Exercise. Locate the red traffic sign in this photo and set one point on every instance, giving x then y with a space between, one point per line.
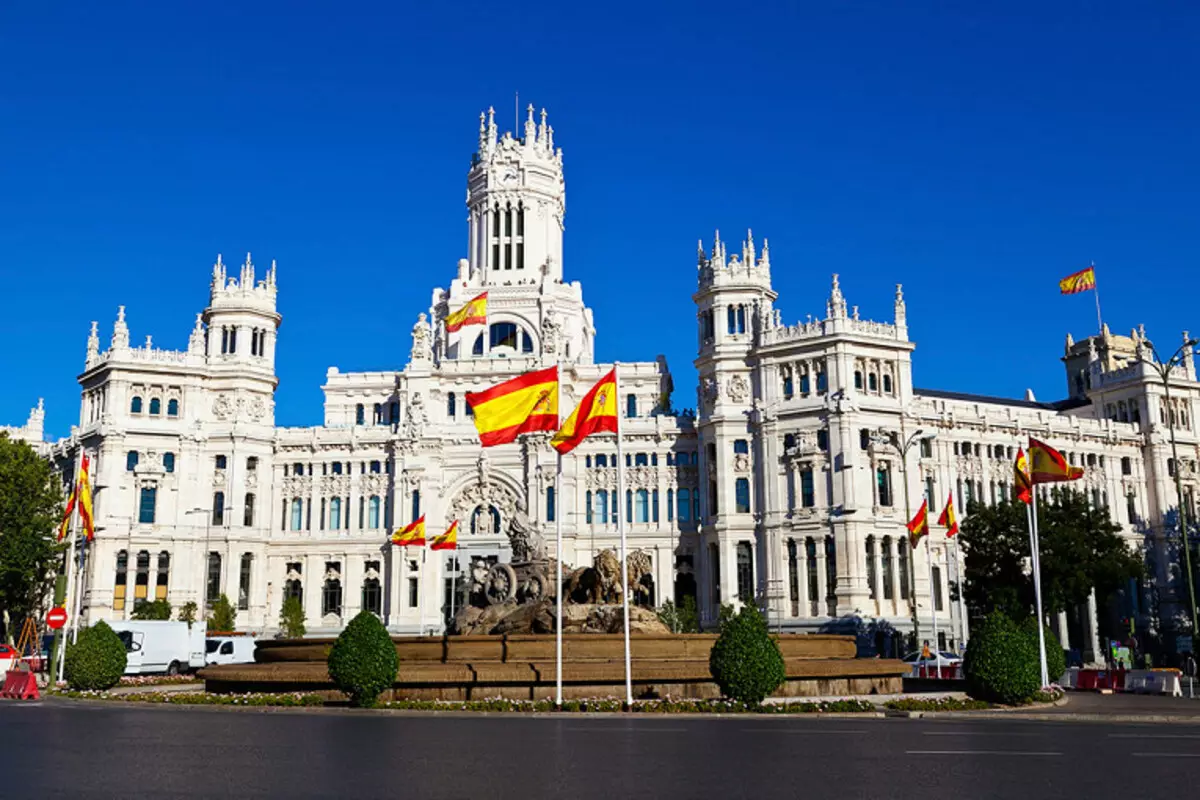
56 618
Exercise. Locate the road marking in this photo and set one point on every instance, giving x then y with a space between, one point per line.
815 732
980 753
1154 736
1165 755
980 733
619 728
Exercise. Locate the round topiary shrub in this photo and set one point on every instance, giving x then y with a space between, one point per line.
362 662
1056 659
96 660
745 661
1001 665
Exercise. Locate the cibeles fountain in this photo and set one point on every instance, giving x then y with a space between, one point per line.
520 596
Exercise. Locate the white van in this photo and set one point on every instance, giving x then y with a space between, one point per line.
229 650
161 646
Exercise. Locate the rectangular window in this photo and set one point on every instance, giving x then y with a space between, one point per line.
937 587
654 506
883 481
742 495
414 595
146 505
416 504
1131 509
745 572
808 494
549 504
929 490
213 587
244 582
872 591
218 508
889 588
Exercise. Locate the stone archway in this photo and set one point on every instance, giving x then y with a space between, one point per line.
489 499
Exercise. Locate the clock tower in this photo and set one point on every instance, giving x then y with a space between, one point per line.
516 203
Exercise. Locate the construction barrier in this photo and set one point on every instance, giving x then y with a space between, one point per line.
1154 681
20 686
945 672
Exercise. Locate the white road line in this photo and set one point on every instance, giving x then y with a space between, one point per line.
980 733
815 732
624 729
980 753
1154 736
1165 755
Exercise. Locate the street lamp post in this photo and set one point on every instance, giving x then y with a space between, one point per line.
1186 350
902 446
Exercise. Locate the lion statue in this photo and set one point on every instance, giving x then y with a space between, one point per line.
599 583
639 565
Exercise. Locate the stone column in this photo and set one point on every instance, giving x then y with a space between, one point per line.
802 576
314 578
352 578
822 579
894 546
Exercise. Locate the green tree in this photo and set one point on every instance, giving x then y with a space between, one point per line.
1080 548
157 609
1002 664
223 618
187 613
31 506
291 618
745 661
96 660
363 662
680 619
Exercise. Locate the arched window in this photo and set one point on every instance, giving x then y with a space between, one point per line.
742 492
486 521
360 414
631 405
789 441
858 379
172 408
741 319
377 416
873 382
213 584
745 572
887 384
155 406
164 576
670 505
244 581
872 592
335 513
372 593
331 597
889 589
550 504
394 412
218 508
373 512
685 505
731 325
504 334
788 386
120 579
131 460
628 505
477 348
641 506
451 405
587 508
297 513
526 342
135 405
248 513
602 460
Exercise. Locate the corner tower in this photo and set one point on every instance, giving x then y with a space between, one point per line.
516 201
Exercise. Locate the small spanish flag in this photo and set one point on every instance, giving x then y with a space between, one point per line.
1080 281
525 404
85 500
1047 465
918 526
1022 485
412 536
448 540
948 518
596 412
473 313
65 526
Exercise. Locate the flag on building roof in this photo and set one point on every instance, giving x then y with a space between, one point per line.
918 526
413 534
596 412
948 518
448 540
473 313
1080 281
85 500
1022 485
1047 465
525 404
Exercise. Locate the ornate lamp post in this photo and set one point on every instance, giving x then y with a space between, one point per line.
1186 350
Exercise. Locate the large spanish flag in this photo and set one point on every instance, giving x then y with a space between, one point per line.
85 500
1047 465
918 526
473 313
1022 485
1080 281
448 540
948 518
596 412
525 404
65 525
413 534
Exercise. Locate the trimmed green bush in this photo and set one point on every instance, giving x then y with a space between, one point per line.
362 662
745 661
1001 664
96 660
1056 659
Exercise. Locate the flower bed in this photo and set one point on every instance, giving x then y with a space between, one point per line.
289 700
936 704
612 704
157 680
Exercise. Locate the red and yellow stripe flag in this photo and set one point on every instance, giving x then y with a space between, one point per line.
65 525
413 534
1080 281
1047 465
596 412
448 540
948 518
473 313
1022 485
85 501
918 526
525 404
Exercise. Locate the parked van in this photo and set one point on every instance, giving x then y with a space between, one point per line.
161 646
229 650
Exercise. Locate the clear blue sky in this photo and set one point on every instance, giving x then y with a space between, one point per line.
975 156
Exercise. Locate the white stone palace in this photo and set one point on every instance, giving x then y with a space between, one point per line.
785 485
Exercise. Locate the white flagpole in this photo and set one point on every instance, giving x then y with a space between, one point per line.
1037 582
69 600
558 568
937 652
959 570
624 508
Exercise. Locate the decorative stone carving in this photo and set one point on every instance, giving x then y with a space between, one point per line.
251 408
422 349
741 462
414 424
739 389
482 495
526 541
551 328
840 403
223 407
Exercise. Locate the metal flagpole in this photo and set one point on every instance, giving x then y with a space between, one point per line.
959 570
624 508
1037 582
1096 291
937 658
70 599
558 568
79 575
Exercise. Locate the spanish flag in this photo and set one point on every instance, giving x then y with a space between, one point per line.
948 519
85 500
1080 281
918 526
1022 485
412 536
448 540
1049 466
525 404
65 526
473 313
596 412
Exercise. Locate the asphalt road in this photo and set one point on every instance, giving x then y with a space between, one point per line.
58 749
